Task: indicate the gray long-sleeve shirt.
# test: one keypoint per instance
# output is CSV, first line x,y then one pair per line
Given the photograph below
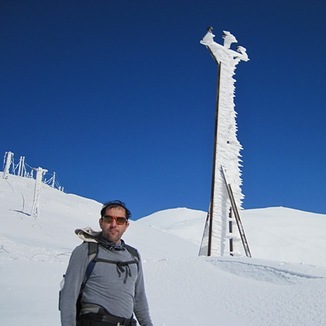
x,y
119,295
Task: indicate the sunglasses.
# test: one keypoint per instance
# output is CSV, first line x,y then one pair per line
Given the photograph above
x,y
119,220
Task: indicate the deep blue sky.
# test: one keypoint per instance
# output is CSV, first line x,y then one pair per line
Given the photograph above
x,y
118,97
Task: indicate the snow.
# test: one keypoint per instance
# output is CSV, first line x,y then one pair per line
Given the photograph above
x,y
283,284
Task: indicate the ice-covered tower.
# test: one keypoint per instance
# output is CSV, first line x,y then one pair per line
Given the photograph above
x,y
222,236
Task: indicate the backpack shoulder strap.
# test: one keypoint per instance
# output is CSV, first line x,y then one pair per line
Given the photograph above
x,y
92,254
92,248
133,251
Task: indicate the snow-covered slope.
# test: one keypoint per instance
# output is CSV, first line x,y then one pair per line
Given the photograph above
x,y
284,284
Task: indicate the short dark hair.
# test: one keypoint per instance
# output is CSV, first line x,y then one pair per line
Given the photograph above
x,y
113,204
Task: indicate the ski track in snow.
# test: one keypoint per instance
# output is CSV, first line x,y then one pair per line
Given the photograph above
x,y
15,251
262,272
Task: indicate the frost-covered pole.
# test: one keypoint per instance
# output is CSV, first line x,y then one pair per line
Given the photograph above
x,y
53,180
37,191
226,151
8,160
21,166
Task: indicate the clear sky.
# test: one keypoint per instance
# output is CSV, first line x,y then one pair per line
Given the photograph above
x,y
118,98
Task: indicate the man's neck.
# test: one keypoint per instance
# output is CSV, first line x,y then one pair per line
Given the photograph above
x,y
109,244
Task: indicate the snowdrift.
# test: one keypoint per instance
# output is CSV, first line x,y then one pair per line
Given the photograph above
x,y
283,284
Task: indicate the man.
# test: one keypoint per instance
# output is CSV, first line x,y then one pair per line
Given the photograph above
x,y
114,288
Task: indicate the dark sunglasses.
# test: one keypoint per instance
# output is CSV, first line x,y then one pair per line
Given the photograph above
x,y
119,220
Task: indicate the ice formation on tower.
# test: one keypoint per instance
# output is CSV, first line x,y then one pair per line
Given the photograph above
x,y
218,230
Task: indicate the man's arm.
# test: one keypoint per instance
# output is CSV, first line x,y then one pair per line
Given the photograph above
x,y
73,279
141,308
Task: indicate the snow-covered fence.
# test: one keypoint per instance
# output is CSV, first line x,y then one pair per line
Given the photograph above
x,y
23,169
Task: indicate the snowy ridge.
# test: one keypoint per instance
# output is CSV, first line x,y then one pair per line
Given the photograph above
x,y
182,288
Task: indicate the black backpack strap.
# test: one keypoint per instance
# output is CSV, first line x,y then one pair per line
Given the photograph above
x,y
134,252
92,254
92,248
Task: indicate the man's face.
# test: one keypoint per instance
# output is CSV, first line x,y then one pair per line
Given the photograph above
x,y
112,230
